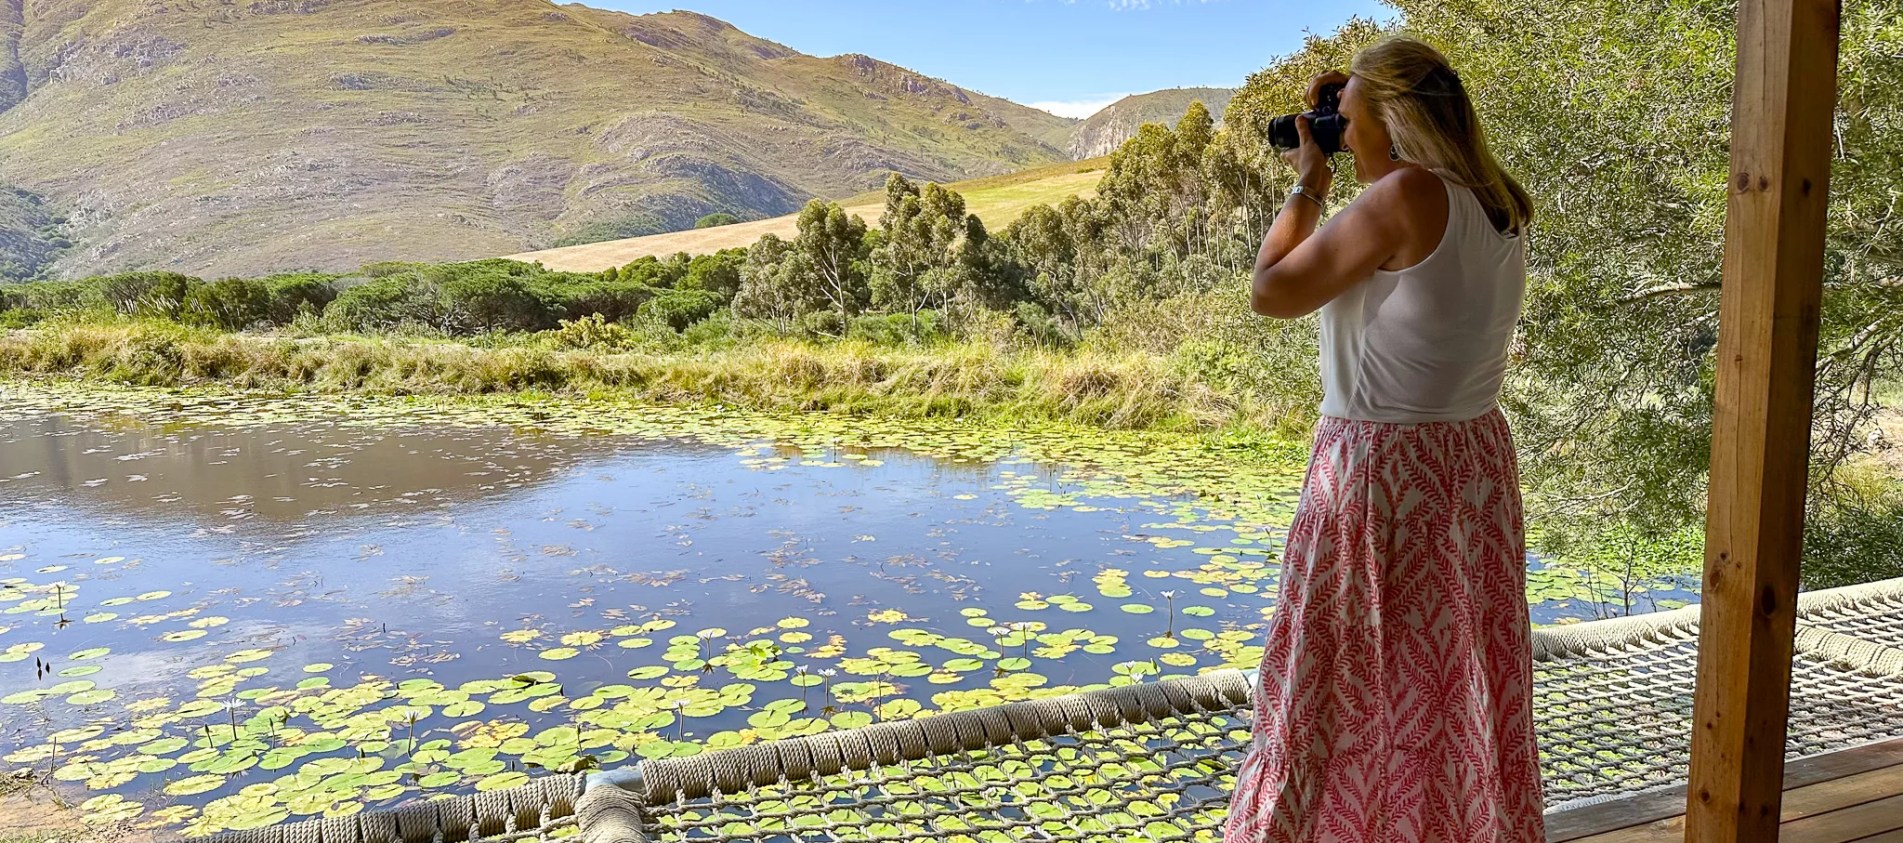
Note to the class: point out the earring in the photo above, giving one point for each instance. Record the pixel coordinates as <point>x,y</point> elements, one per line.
<point>1394,152</point>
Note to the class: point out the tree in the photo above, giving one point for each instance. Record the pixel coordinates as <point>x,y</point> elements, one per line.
<point>917,264</point>
<point>834,245</point>
<point>716,220</point>
<point>718,273</point>
<point>778,284</point>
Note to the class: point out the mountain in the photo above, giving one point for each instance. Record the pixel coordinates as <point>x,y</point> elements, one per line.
<point>1108,129</point>
<point>224,137</point>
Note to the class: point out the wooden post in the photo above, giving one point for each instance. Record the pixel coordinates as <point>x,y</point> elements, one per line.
<point>1782,108</point>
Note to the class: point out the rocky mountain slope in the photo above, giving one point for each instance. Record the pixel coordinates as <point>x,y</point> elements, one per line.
<point>1108,129</point>
<point>245,136</point>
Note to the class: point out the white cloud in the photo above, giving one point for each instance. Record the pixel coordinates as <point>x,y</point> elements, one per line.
<point>1077,108</point>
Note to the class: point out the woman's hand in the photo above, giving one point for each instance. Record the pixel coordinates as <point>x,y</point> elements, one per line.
<point>1311,166</point>
<point>1310,163</point>
<point>1321,80</point>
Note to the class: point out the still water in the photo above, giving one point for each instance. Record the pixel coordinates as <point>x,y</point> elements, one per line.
<point>220,613</point>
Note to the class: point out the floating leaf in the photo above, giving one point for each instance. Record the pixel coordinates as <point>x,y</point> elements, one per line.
<point>93,697</point>
<point>502,781</point>
<point>194,785</point>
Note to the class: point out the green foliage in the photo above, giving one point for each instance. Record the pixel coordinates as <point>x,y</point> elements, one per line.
<point>232,304</point>
<point>679,309</point>
<point>824,268</point>
<point>384,304</point>
<point>611,300</point>
<point>593,333</point>
<point>145,294</point>
<point>924,328</point>
<point>718,273</point>
<point>299,294</point>
<point>835,248</point>
<point>716,220</point>
<point>497,301</point>
<point>1855,534</point>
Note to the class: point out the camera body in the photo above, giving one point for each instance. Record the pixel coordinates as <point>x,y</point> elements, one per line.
<point>1326,123</point>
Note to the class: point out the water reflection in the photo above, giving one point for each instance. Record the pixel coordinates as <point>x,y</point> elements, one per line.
<point>278,474</point>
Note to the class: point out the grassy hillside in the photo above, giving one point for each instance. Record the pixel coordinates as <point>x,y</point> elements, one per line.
<point>997,200</point>
<point>1108,129</point>
<point>240,138</point>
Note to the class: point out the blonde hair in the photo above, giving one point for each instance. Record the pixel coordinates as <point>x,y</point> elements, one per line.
<point>1420,99</point>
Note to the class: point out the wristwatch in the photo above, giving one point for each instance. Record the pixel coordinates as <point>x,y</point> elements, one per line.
<point>1313,196</point>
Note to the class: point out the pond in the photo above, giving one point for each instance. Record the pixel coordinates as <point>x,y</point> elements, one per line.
<point>221,612</point>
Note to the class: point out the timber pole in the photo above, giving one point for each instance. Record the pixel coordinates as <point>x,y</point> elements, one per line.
<point>1783,104</point>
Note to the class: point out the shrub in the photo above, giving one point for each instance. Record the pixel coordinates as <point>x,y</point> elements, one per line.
<point>384,304</point>
<point>1041,327</point>
<point>611,300</point>
<point>495,302</point>
<point>892,329</point>
<point>232,304</point>
<point>593,333</point>
<point>821,323</point>
<point>159,294</point>
<point>678,309</point>
<point>292,295</point>
<point>717,273</point>
<point>652,271</point>
<point>720,330</point>
<point>716,220</point>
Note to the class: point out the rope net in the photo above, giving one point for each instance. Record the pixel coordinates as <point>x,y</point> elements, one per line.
<point>1154,761</point>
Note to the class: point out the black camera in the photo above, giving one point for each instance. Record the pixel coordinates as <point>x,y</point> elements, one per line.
<point>1326,123</point>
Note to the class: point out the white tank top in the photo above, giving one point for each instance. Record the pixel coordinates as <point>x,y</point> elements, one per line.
<point>1427,343</point>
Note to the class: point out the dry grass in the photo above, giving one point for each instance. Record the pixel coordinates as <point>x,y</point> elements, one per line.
<point>1123,391</point>
<point>997,200</point>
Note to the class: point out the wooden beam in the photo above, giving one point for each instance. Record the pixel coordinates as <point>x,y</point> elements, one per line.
<point>1782,107</point>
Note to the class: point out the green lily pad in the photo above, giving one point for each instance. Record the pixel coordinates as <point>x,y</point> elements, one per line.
<point>444,779</point>
<point>194,785</point>
<point>93,697</point>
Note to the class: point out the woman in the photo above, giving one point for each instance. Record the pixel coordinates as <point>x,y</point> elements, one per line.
<point>1394,702</point>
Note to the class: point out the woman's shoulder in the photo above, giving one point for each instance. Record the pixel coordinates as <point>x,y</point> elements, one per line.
<point>1413,188</point>
<point>1416,203</point>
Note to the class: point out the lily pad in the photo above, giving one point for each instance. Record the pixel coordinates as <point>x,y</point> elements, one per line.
<point>194,785</point>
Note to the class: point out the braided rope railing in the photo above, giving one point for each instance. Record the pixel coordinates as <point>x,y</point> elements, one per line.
<point>1154,761</point>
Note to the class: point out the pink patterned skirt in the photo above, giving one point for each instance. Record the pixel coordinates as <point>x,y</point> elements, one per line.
<point>1394,701</point>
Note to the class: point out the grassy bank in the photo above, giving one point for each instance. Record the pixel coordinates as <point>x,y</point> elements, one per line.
<point>1133,390</point>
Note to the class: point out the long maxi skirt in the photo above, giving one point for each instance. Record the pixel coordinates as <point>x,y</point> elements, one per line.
<point>1394,704</point>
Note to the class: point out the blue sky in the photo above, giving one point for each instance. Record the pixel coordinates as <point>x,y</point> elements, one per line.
<point>1067,56</point>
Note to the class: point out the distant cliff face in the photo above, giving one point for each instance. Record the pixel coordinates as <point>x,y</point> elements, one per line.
<point>250,136</point>
<point>1108,129</point>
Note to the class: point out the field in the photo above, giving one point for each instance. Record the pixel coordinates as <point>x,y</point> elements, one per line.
<point>997,200</point>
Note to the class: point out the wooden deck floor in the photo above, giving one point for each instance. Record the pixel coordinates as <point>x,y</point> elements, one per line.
<point>1854,796</point>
